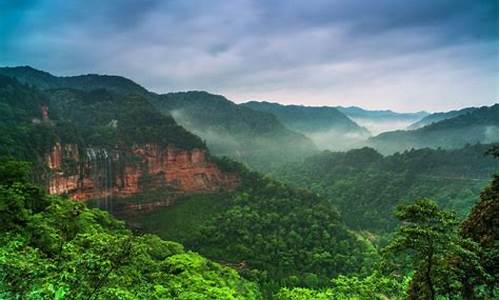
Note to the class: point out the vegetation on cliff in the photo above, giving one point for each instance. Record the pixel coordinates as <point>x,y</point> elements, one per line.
<point>276,235</point>
<point>104,118</point>
<point>32,121</point>
<point>54,248</point>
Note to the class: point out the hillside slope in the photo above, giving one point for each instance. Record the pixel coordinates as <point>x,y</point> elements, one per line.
<point>253,137</point>
<point>104,145</point>
<point>436,117</point>
<point>326,126</point>
<point>478,126</point>
<point>55,248</point>
<point>276,235</point>
<point>44,81</point>
<point>366,186</point>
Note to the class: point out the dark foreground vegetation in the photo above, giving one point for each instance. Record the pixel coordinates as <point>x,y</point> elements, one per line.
<point>56,248</point>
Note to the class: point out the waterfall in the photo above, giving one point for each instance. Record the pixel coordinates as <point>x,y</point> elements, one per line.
<point>101,172</point>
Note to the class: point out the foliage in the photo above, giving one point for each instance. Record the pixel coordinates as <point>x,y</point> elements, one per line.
<point>482,227</point>
<point>442,259</point>
<point>275,235</point>
<point>55,248</point>
<point>373,287</point>
<point>19,135</point>
<point>366,186</point>
<point>98,117</point>
<point>107,119</point>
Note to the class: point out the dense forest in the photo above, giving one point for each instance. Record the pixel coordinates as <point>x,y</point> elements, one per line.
<point>56,248</point>
<point>330,225</point>
<point>279,236</point>
<point>99,117</point>
<point>52,247</point>
<point>453,178</point>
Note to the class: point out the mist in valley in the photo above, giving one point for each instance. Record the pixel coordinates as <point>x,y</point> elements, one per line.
<point>378,126</point>
<point>338,140</point>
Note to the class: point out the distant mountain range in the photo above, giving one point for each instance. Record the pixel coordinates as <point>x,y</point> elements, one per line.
<point>254,137</point>
<point>477,126</point>
<point>378,121</point>
<point>326,126</point>
<point>436,117</point>
<point>358,112</point>
<point>258,133</point>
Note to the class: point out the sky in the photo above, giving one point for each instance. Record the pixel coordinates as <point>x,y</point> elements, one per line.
<point>410,55</point>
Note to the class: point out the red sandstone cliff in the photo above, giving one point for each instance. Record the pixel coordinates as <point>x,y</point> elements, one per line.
<point>96,173</point>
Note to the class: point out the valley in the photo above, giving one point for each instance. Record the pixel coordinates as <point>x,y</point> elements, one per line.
<point>189,195</point>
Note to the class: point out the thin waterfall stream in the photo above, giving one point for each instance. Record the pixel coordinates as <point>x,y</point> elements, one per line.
<point>101,172</point>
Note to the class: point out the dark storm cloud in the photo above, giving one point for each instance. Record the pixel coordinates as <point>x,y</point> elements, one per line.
<point>399,54</point>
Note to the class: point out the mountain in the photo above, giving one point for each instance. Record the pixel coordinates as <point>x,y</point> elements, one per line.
<point>378,121</point>
<point>361,113</point>
<point>274,234</point>
<point>44,81</point>
<point>478,126</point>
<point>367,187</point>
<point>254,137</point>
<point>436,117</point>
<point>105,146</point>
<point>118,152</point>
<point>326,126</point>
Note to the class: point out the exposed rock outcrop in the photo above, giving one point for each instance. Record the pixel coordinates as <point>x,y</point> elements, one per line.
<point>93,173</point>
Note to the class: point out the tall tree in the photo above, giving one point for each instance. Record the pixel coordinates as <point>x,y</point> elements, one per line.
<point>430,238</point>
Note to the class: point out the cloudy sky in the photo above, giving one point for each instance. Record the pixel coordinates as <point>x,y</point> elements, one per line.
<point>404,55</point>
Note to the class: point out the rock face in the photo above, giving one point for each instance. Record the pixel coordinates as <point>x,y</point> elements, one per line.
<point>97,173</point>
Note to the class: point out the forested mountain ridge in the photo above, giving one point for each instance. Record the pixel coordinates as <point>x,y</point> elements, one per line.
<point>326,126</point>
<point>378,121</point>
<point>440,116</point>
<point>379,184</point>
<point>253,137</point>
<point>358,112</point>
<point>448,259</point>
<point>276,235</point>
<point>306,118</point>
<point>327,233</point>
<point>44,80</point>
<point>103,145</point>
<point>478,126</point>
<point>92,155</point>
